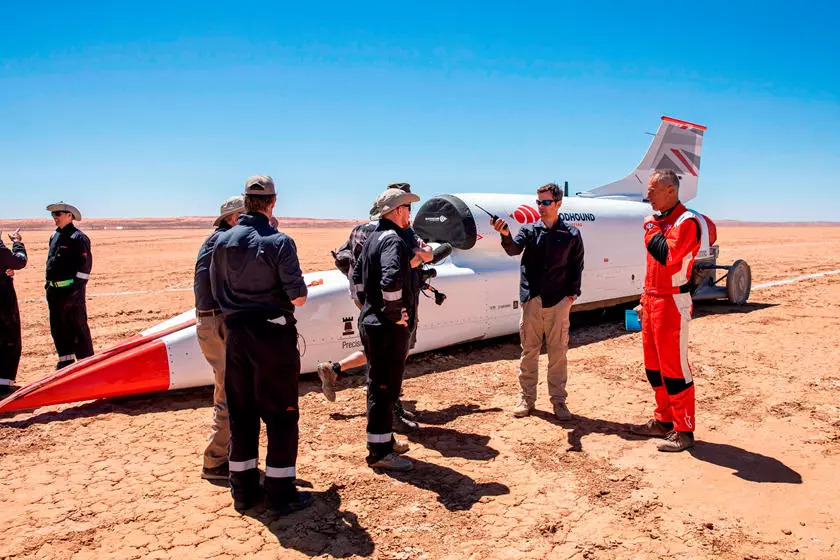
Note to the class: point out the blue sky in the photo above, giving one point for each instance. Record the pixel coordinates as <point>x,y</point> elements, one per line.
<point>155,109</point>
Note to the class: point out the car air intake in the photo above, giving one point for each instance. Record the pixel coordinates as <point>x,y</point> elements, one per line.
<point>446,219</point>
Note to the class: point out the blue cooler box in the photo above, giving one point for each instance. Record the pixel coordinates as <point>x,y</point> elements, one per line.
<point>631,320</point>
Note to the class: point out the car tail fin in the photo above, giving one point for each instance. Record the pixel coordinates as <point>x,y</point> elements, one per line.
<point>676,146</point>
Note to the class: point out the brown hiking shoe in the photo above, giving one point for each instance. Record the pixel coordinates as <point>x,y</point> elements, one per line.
<point>653,428</point>
<point>676,441</point>
<point>393,462</point>
<point>400,447</point>
<point>523,409</point>
<point>328,379</point>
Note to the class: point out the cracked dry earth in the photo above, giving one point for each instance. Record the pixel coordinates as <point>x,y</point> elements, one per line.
<point>120,478</point>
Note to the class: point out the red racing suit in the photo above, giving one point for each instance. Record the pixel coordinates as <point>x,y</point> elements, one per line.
<point>672,242</point>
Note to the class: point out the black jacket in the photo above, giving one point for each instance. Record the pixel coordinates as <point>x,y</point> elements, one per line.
<point>552,265</point>
<point>69,257</point>
<point>255,271</point>
<point>383,277</point>
<point>13,259</point>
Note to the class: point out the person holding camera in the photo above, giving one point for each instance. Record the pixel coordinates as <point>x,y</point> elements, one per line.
<point>387,288</point>
<point>345,259</point>
<point>550,278</point>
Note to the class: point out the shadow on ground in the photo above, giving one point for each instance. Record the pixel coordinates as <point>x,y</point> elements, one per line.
<point>456,491</point>
<point>322,529</point>
<point>747,465</point>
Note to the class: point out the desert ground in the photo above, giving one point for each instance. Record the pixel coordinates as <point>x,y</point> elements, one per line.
<point>120,478</point>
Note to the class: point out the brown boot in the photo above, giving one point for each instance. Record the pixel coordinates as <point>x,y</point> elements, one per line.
<point>562,412</point>
<point>400,447</point>
<point>653,428</point>
<point>676,441</point>
<point>328,379</point>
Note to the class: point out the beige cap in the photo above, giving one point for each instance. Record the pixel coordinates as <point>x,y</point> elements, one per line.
<point>390,200</point>
<point>62,206</point>
<point>260,185</point>
<point>229,206</point>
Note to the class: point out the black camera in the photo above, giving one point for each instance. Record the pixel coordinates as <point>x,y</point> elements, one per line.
<point>427,274</point>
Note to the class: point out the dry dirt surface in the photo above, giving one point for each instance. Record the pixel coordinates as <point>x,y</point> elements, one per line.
<point>120,478</point>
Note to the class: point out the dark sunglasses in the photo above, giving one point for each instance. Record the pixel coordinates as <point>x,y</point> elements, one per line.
<point>545,202</point>
<point>406,206</point>
<point>58,212</point>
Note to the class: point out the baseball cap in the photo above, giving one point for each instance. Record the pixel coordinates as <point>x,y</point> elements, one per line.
<point>260,185</point>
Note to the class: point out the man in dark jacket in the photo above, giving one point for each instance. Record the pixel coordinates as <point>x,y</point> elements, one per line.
<point>10,343</point>
<point>210,331</point>
<point>256,279</point>
<point>387,290</point>
<point>550,277</point>
<point>69,263</point>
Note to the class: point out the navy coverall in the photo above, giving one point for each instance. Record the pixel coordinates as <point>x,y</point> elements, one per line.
<point>255,275</point>
<point>69,263</point>
<point>386,285</point>
<point>10,343</point>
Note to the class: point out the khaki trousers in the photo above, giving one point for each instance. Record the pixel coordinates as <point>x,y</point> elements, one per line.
<point>210,332</point>
<point>553,324</point>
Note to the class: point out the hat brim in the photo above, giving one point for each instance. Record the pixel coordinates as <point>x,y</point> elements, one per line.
<point>221,218</point>
<point>62,207</point>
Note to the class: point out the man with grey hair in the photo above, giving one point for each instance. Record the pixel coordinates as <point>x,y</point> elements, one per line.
<point>210,331</point>
<point>256,279</point>
<point>672,238</point>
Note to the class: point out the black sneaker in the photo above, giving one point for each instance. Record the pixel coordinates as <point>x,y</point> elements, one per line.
<point>63,364</point>
<point>399,410</point>
<point>216,473</point>
<point>403,425</point>
<point>302,500</point>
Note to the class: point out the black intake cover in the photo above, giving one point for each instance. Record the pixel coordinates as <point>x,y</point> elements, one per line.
<point>446,219</point>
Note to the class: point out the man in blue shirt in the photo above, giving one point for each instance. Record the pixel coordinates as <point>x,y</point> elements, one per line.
<point>256,280</point>
<point>550,276</point>
<point>210,331</point>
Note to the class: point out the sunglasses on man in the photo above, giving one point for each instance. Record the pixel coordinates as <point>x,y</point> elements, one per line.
<point>58,212</point>
<point>545,202</point>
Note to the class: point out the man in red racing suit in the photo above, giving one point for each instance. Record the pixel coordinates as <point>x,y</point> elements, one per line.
<point>672,239</point>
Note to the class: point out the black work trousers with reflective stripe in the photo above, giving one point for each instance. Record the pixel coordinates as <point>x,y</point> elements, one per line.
<point>386,347</point>
<point>10,344</point>
<point>68,322</point>
<point>262,365</point>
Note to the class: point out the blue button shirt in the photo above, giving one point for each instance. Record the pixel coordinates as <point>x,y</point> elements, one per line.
<point>204,300</point>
